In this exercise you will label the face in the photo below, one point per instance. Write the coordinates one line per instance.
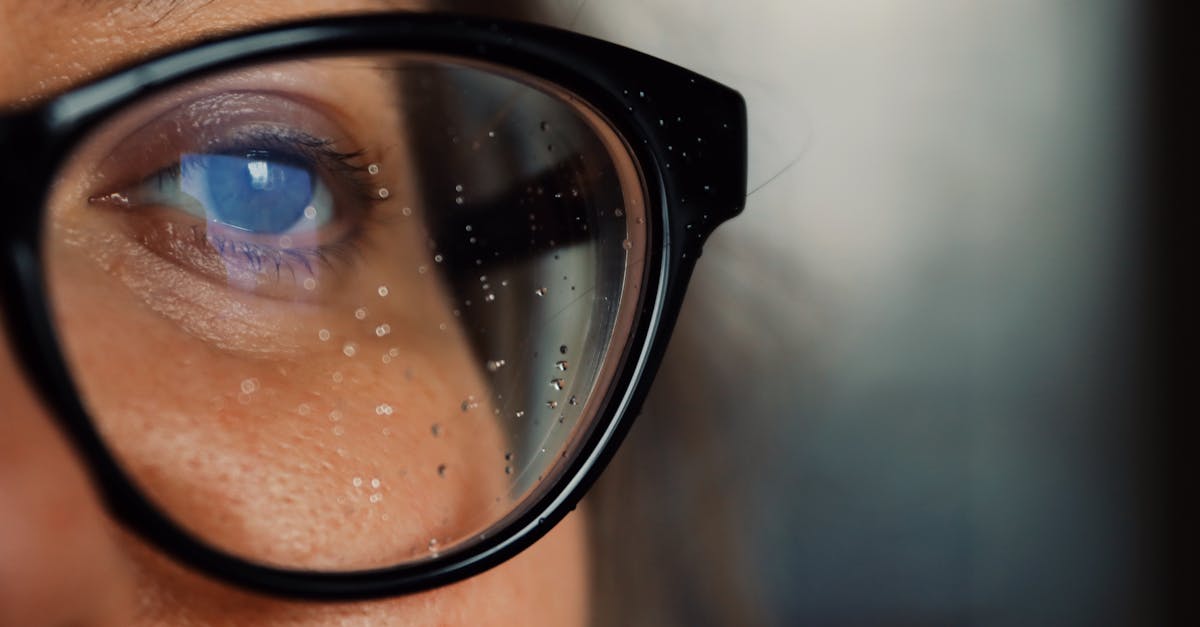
(122, 288)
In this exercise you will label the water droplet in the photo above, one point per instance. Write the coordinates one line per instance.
(324, 335)
(545, 126)
(520, 413)
(438, 258)
(467, 228)
(458, 200)
(383, 409)
(489, 297)
(563, 349)
(249, 386)
(441, 470)
(541, 291)
(383, 291)
(508, 470)
(373, 168)
(640, 220)
(508, 456)
(442, 327)
(303, 409)
(557, 383)
(335, 415)
(383, 329)
(375, 498)
(422, 269)
(436, 429)
(310, 212)
(360, 313)
(573, 401)
(375, 483)
(561, 365)
(337, 377)
(552, 404)
(357, 482)
(458, 188)
(491, 133)
(310, 284)
(406, 211)
(339, 430)
(383, 192)
(627, 245)
(350, 349)
(618, 212)
(495, 365)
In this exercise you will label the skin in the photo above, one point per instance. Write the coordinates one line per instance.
(295, 461)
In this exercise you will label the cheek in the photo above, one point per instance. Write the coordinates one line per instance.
(329, 445)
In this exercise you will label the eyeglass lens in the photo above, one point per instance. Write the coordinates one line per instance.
(347, 312)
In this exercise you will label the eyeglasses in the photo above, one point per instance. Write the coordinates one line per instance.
(359, 307)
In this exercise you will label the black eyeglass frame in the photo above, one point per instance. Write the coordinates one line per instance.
(686, 132)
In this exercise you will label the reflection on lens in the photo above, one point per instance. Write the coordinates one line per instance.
(347, 312)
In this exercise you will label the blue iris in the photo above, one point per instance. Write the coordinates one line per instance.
(252, 193)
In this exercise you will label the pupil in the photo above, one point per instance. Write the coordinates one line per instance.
(251, 193)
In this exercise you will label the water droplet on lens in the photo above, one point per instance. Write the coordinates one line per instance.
(383, 192)
(375, 498)
(627, 245)
(438, 258)
(573, 401)
(249, 386)
(520, 414)
(541, 291)
(383, 291)
(375, 483)
(357, 482)
(310, 212)
(618, 212)
(350, 349)
(324, 335)
(441, 470)
(422, 269)
(467, 228)
(552, 404)
(436, 429)
(508, 470)
(458, 188)
(383, 329)
(360, 313)
(545, 126)
(563, 349)
(406, 211)
(310, 284)
(495, 365)
(303, 409)
(557, 383)
(337, 377)
(458, 200)
(508, 456)
(373, 168)
(561, 365)
(383, 409)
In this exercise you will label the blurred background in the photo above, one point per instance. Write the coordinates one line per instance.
(916, 368)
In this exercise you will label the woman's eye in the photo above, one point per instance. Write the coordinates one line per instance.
(258, 193)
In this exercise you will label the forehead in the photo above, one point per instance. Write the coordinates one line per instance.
(49, 45)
